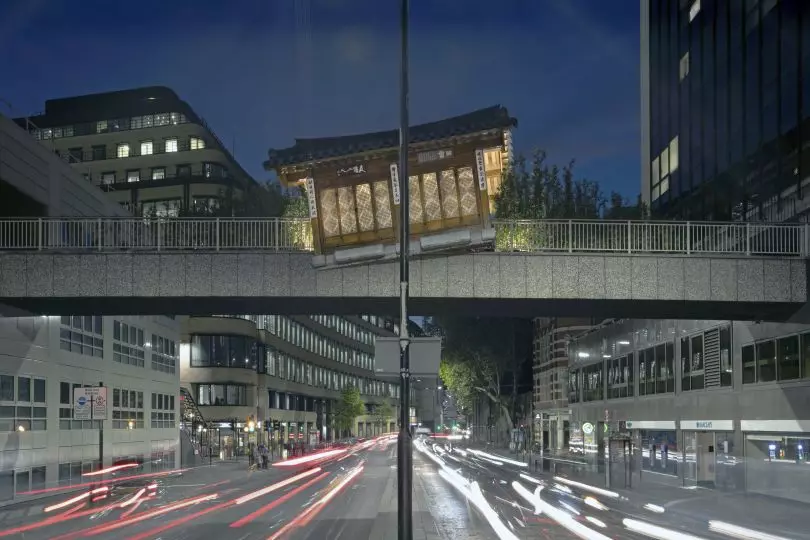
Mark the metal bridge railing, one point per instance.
(295, 235)
(156, 234)
(689, 238)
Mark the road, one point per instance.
(350, 494)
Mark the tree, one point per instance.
(348, 409)
(477, 356)
(383, 411)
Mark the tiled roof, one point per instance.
(329, 147)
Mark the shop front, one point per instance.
(656, 441)
(777, 458)
(707, 456)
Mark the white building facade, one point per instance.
(45, 358)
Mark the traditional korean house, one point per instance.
(455, 168)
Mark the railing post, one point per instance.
(688, 238)
(629, 236)
(747, 238)
(277, 235)
(216, 228)
(806, 243)
(570, 235)
(98, 235)
(40, 240)
(159, 233)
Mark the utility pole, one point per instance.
(404, 448)
(100, 433)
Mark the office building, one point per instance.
(45, 359)
(725, 98)
(284, 374)
(147, 148)
(551, 339)
(718, 404)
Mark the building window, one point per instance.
(163, 413)
(692, 368)
(694, 9)
(82, 335)
(133, 176)
(164, 358)
(128, 344)
(99, 152)
(147, 148)
(66, 408)
(197, 143)
(102, 127)
(23, 405)
(171, 144)
(662, 168)
(223, 351)
(162, 119)
(222, 395)
(127, 409)
(123, 150)
(726, 366)
(107, 178)
(159, 173)
(75, 155)
(683, 70)
(161, 208)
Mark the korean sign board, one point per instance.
(90, 403)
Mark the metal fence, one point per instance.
(156, 234)
(690, 238)
(295, 235)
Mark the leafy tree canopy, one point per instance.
(537, 189)
(348, 408)
(383, 413)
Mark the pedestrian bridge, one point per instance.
(603, 269)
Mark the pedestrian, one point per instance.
(264, 457)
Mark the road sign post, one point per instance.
(91, 403)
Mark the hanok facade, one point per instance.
(352, 184)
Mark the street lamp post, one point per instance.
(404, 449)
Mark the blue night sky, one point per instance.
(265, 71)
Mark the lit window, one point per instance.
(159, 173)
(665, 162)
(133, 176)
(146, 148)
(123, 150)
(101, 127)
(656, 171)
(108, 178)
(197, 143)
(664, 185)
(673, 155)
(683, 69)
(171, 145)
(694, 10)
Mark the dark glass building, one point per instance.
(725, 94)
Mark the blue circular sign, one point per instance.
(82, 401)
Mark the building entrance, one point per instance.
(699, 449)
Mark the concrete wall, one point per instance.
(34, 169)
(516, 283)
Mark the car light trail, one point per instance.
(278, 485)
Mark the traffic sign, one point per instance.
(90, 403)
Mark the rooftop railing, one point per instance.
(295, 235)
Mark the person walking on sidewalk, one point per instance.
(255, 458)
(264, 456)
